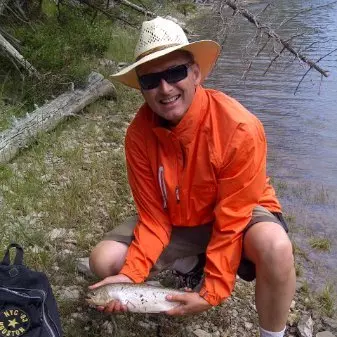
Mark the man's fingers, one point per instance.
(177, 311)
(98, 284)
(113, 307)
(177, 298)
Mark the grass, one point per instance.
(322, 244)
(74, 177)
(64, 49)
(326, 300)
(310, 194)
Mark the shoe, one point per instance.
(194, 278)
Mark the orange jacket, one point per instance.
(210, 167)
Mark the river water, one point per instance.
(301, 127)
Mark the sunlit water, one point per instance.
(301, 128)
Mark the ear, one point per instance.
(196, 74)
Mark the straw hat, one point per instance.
(159, 37)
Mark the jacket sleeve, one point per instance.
(153, 230)
(241, 181)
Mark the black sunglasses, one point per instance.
(171, 75)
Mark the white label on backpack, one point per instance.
(13, 322)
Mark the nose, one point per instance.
(164, 86)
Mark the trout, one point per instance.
(141, 298)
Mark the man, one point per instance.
(196, 163)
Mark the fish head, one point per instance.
(98, 296)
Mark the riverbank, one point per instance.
(65, 192)
(60, 196)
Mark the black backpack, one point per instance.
(27, 305)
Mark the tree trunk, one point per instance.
(46, 118)
(9, 49)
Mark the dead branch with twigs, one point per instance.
(305, 74)
(144, 11)
(3, 5)
(107, 13)
(265, 35)
(268, 31)
(17, 57)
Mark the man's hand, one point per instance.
(113, 306)
(191, 303)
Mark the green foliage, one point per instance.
(186, 7)
(323, 244)
(326, 300)
(63, 47)
(54, 44)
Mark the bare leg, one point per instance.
(107, 258)
(268, 246)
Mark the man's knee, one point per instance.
(269, 247)
(107, 258)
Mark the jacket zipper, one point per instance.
(177, 194)
(162, 185)
(34, 297)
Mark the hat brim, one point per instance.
(205, 54)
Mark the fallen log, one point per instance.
(17, 57)
(46, 117)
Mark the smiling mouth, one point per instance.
(169, 100)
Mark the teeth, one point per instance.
(169, 100)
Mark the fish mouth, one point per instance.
(89, 300)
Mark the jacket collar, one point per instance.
(187, 128)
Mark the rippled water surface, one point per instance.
(301, 128)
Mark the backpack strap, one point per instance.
(18, 256)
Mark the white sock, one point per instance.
(265, 333)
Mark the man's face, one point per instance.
(171, 100)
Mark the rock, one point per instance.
(36, 249)
(292, 305)
(305, 326)
(329, 322)
(292, 318)
(145, 325)
(69, 294)
(106, 63)
(82, 266)
(108, 328)
(201, 333)
(248, 325)
(235, 313)
(325, 334)
(57, 233)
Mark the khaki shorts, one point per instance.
(187, 243)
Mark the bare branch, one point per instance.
(273, 60)
(306, 73)
(3, 5)
(138, 8)
(269, 32)
(307, 10)
(15, 55)
(144, 11)
(88, 3)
